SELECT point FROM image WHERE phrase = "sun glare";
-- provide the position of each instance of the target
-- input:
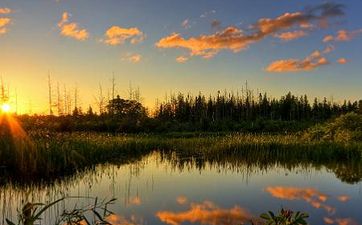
(5, 108)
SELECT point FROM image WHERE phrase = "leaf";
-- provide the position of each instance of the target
(9, 222)
(265, 216)
(271, 214)
(47, 207)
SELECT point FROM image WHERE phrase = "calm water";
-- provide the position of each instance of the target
(172, 190)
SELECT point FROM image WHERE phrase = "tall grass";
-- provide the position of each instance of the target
(52, 155)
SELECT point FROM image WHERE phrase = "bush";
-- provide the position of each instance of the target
(345, 128)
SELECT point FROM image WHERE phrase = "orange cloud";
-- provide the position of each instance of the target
(340, 221)
(342, 35)
(4, 23)
(5, 11)
(120, 220)
(135, 201)
(315, 198)
(287, 20)
(182, 200)
(346, 221)
(287, 36)
(343, 198)
(328, 220)
(117, 35)
(342, 61)
(69, 29)
(182, 59)
(133, 58)
(207, 46)
(206, 213)
(235, 40)
(309, 63)
(328, 38)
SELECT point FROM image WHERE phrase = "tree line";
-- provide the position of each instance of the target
(223, 112)
(237, 108)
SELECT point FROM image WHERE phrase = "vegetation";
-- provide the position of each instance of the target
(227, 131)
(346, 128)
(285, 217)
(51, 155)
(243, 112)
(249, 113)
(32, 213)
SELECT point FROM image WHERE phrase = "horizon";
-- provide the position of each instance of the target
(309, 47)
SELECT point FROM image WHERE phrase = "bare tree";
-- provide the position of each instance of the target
(100, 100)
(50, 95)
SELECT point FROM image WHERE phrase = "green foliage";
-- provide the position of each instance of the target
(345, 128)
(247, 107)
(32, 213)
(285, 217)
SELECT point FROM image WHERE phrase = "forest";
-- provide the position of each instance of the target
(187, 113)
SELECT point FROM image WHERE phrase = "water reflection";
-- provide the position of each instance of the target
(315, 198)
(312, 196)
(206, 212)
(340, 221)
(120, 220)
(251, 162)
(176, 188)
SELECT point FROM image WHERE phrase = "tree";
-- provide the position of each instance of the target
(129, 109)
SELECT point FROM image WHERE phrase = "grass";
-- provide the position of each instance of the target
(50, 155)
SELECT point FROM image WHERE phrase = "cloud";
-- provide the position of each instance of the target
(4, 23)
(215, 24)
(291, 35)
(343, 198)
(328, 49)
(235, 39)
(342, 35)
(120, 220)
(315, 198)
(5, 11)
(182, 200)
(132, 58)
(71, 29)
(186, 24)
(340, 221)
(135, 201)
(342, 61)
(206, 14)
(328, 220)
(116, 35)
(346, 221)
(311, 62)
(206, 213)
(182, 59)
(328, 38)
(207, 46)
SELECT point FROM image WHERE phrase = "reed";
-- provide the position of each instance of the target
(59, 154)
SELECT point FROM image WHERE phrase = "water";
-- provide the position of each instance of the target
(173, 190)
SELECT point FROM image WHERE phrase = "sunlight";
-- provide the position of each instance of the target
(5, 108)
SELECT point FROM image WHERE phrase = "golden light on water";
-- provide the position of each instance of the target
(5, 108)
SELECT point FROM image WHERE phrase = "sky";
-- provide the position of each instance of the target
(166, 46)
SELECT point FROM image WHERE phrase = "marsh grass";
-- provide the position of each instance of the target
(58, 154)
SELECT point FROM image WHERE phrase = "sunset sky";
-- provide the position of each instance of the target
(164, 46)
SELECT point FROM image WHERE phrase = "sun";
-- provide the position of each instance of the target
(5, 108)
